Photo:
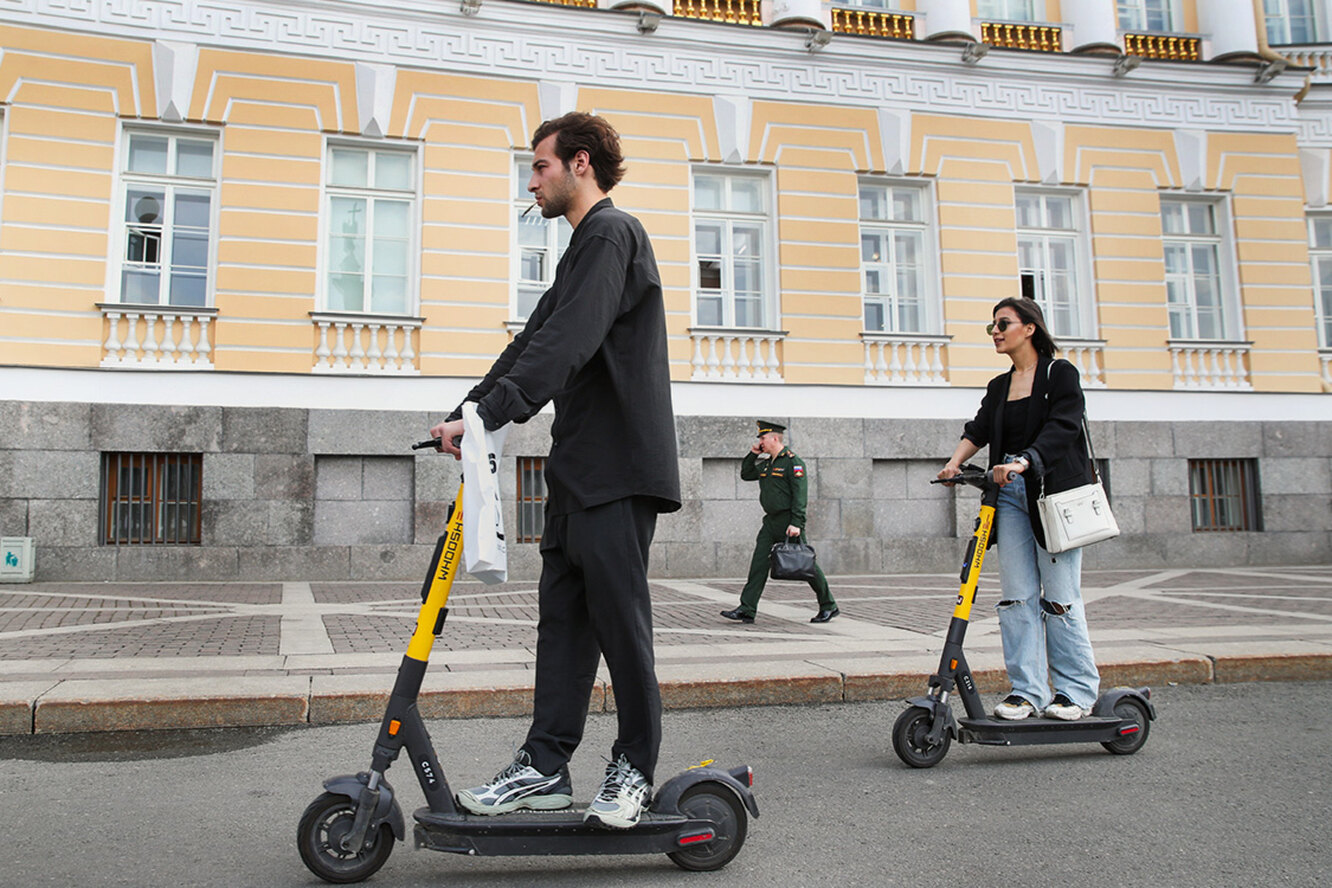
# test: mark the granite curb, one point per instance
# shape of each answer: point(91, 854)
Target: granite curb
point(56, 706)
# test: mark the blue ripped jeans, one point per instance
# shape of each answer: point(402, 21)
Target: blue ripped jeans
point(1036, 640)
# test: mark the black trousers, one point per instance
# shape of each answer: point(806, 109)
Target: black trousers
point(594, 601)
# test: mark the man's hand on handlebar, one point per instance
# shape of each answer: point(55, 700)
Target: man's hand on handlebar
point(449, 434)
point(948, 471)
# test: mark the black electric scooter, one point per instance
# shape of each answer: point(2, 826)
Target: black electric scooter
point(697, 818)
point(1120, 719)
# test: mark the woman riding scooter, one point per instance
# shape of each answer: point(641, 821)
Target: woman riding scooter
point(1031, 419)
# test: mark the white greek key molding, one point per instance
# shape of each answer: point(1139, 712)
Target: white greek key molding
point(603, 48)
point(736, 354)
point(372, 345)
point(1212, 364)
point(157, 337)
point(904, 359)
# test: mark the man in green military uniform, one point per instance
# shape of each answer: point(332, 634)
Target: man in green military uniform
point(783, 493)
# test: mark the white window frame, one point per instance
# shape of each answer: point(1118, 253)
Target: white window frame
point(1011, 10)
point(930, 313)
point(1223, 241)
point(171, 184)
point(1082, 302)
point(1132, 15)
point(1321, 255)
point(730, 220)
point(370, 192)
point(1276, 21)
point(556, 241)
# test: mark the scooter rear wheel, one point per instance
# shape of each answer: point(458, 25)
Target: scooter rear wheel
point(709, 801)
point(324, 823)
point(1130, 710)
point(909, 739)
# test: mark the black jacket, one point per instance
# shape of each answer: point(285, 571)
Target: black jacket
point(1053, 439)
point(596, 345)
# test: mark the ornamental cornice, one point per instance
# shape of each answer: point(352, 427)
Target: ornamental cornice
point(602, 48)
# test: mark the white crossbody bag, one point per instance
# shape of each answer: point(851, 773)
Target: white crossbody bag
point(1078, 517)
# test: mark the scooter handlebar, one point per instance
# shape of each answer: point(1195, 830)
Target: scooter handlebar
point(973, 475)
point(435, 443)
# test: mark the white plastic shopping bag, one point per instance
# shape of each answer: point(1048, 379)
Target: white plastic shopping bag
point(485, 555)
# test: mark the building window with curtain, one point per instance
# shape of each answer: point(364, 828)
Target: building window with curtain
point(1194, 271)
point(1010, 10)
point(732, 225)
point(1146, 15)
point(168, 188)
point(537, 246)
point(1291, 21)
point(895, 246)
point(1320, 254)
point(371, 206)
point(1051, 265)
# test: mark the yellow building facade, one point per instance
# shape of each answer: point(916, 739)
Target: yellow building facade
point(248, 205)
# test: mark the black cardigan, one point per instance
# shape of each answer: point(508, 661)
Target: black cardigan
point(1053, 438)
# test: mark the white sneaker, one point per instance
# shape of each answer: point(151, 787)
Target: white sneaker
point(1063, 708)
point(623, 795)
point(520, 786)
point(1013, 708)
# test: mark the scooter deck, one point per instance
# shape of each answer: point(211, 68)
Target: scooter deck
point(555, 832)
point(1033, 731)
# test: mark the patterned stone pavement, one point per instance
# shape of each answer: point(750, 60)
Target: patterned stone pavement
point(62, 637)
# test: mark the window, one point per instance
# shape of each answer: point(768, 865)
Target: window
point(168, 182)
point(731, 227)
point(1224, 494)
point(151, 498)
point(539, 244)
point(531, 498)
point(1193, 269)
point(371, 196)
point(1009, 10)
point(1320, 252)
point(894, 245)
point(1146, 15)
point(1050, 265)
point(1291, 21)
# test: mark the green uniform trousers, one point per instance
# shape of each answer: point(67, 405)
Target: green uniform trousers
point(774, 531)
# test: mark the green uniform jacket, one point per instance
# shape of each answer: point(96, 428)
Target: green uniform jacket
point(783, 484)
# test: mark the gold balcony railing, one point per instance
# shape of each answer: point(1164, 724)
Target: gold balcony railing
point(732, 12)
point(1166, 47)
point(586, 4)
point(1012, 35)
point(867, 23)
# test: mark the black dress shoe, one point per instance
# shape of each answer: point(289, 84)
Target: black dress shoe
point(824, 616)
point(739, 615)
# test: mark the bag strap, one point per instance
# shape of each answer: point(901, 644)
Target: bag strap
point(1086, 429)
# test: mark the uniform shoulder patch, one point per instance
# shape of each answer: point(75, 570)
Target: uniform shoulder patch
point(798, 470)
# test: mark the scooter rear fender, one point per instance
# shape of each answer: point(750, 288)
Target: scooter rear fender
point(387, 811)
point(668, 797)
point(1105, 704)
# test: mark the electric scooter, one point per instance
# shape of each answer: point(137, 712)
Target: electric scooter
point(697, 818)
point(1120, 719)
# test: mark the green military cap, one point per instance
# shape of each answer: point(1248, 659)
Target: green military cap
point(767, 425)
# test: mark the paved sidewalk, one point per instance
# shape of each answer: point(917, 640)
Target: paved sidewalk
point(119, 656)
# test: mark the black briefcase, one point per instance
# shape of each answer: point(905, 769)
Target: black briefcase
point(791, 560)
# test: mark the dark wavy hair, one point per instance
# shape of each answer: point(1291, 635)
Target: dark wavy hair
point(1029, 310)
point(578, 131)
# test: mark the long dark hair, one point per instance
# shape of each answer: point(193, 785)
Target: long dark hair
point(579, 131)
point(1029, 310)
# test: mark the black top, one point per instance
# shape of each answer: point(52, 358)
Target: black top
point(1015, 425)
point(1051, 437)
point(596, 345)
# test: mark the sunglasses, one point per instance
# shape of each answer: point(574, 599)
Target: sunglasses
point(1003, 324)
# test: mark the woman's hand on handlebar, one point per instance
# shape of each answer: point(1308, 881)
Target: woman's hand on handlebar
point(1004, 474)
point(450, 437)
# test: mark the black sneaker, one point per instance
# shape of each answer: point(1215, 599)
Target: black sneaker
point(622, 797)
point(1014, 707)
point(520, 786)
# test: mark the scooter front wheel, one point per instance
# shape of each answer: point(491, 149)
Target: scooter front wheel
point(1131, 711)
point(709, 801)
point(910, 739)
point(319, 838)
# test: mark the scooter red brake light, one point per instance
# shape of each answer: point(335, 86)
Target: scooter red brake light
point(744, 774)
point(695, 838)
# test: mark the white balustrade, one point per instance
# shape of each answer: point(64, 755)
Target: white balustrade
point(1088, 355)
point(1325, 359)
point(367, 344)
point(731, 354)
point(1210, 364)
point(161, 336)
point(904, 359)
point(1317, 56)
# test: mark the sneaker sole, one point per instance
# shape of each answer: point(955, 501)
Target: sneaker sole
point(609, 820)
point(535, 803)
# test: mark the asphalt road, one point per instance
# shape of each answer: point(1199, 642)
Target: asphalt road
point(1232, 789)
